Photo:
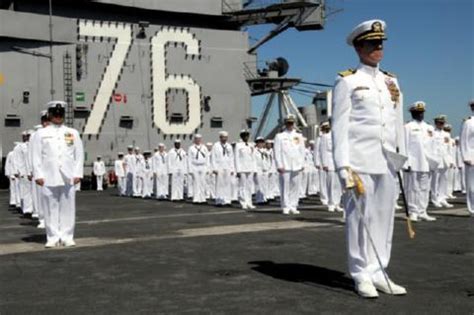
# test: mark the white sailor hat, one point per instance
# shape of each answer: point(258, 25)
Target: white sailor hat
point(325, 124)
point(44, 113)
point(269, 141)
point(244, 131)
point(24, 133)
point(259, 139)
point(56, 104)
point(447, 127)
point(311, 142)
point(290, 118)
point(209, 144)
point(368, 30)
point(137, 148)
point(418, 106)
point(130, 147)
point(99, 156)
point(146, 152)
point(177, 141)
point(440, 118)
point(161, 145)
point(197, 136)
point(120, 153)
point(223, 133)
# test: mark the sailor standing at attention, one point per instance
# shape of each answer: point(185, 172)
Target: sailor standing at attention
point(58, 159)
point(467, 151)
point(418, 139)
point(99, 172)
point(177, 167)
point(119, 168)
point(245, 166)
point(160, 168)
point(129, 161)
point(198, 166)
point(367, 122)
point(222, 164)
point(289, 158)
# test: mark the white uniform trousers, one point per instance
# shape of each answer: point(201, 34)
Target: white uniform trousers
point(261, 185)
point(188, 180)
point(18, 192)
point(122, 185)
point(137, 185)
point(60, 214)
point(443, 184)
point(323, 187)
point(235, 188)
point(26, 195)
point(199, 184)
point(129, 184)
point(38, 200)
point(246, 187)
point(417, 189)
point(334, 188)
point(469, 169)
point(378, 213)
point(161, 185)
point(99, 181)
point(13, 191)
point(304, 183)
point(457, 185)
point(435, 195)
point(450, 182)
point(224, 187)
point(147, 186)
point(313, 182)
point(211, 186)
point(177, 186)
point(290, 189)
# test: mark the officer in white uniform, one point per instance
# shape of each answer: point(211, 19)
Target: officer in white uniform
point(367, 128)
point(418, 137)
point(467, 150)
point(16, 175)
point(10, 173)
point(177, 167)
point(120, 173)
point(451, 148)
point(23, 168)
point(129, 162)
point(245, 167)
point(99, 172)
point(289, 158)
point(313, 176)
point(222, 164)
point(58, 159)
point(439, 176)
point(327, 163)
point(262, 162)
point(38, 196)
point(459, 178)
point(160, 168)
point(137, 180)
point(273, 180)
point(145, 173)
point(198, 166)
point(323, 188)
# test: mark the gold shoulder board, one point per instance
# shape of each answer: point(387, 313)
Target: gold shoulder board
point(389, 74)
point(347, 72)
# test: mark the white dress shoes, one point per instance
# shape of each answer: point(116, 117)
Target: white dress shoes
point(426, 217)
point(393, 289)
point(366, 289)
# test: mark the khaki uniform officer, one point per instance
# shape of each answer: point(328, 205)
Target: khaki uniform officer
point(58, 159)
point(367, 129)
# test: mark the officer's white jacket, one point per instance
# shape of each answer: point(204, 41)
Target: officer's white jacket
point(467, 140)
point(440, 147)
point(177, 161)
point(365, 121)
point(418, 145)
point(58, 155)
point(262, 160)
point(289, 151)
point(32, 139)
point(119, 168)
point(317, 152)
point(244, 157)
point(99, 168)
point(160, 163)
point(198, 158)
point(326, 147)
point(144, 168)
point(309, 160)
point(129, 160)
point(459, 160)
point(21, 159)
point(9, 167)
point(271, 156)
point(222, 157)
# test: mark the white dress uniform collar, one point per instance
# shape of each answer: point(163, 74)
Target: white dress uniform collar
point(372, 71)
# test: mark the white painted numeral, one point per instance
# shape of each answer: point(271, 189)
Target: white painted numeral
point(163, 82)
point(123, 34)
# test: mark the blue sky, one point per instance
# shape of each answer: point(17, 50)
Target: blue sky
point(429, 48)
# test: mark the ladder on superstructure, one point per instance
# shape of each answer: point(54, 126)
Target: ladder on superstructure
point(67, 77)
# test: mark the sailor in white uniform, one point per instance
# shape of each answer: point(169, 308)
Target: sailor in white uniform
point(99, 172)
point(222, 165)
point(23, 168)
point(245, 167)
point(418, 138)
point(177, 168)
point(273, 177)
point(289, 158)
point(160, 168)
point(328, 168)
point(198, 165)
point(367, 128)
point(137, 180)
point(313, 176)
point(262, 162)
point(211, 176)
point(459, 178)
point(120, 173)
point(467, 151)
point(58, 159)
point(129, 162)
point(323, 188)
point(451, 148)
point(145, 173)
point(10, 173)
